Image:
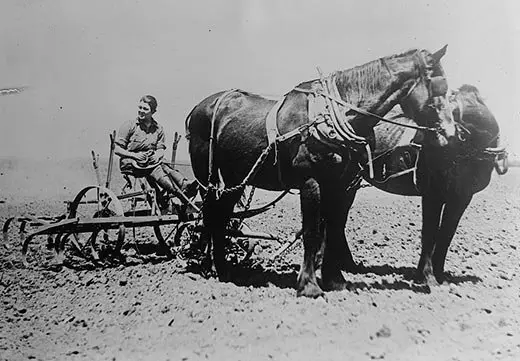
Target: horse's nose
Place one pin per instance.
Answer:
(447, 129)
(441, 140)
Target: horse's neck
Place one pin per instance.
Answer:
(379, 96)
(364, 86)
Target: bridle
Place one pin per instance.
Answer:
(344, 129)
(437, 87)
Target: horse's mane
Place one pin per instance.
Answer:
(363, 81)
(403, 54)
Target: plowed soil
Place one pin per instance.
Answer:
(157, 309)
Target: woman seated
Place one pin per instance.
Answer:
(140, 143)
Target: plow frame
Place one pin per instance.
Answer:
(110, 215)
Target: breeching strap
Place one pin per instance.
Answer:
(212, 133)
(263, 156)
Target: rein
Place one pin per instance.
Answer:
(362, 111)
(344, 129)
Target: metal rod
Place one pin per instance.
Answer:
(82, 225)
(96, 167)
(245, 234)
(111, 158)
(176, 139)
(287, 245)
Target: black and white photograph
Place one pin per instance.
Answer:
(260, 180)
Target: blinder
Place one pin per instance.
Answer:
(436, 84)
(439, 86)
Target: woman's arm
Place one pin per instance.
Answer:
(140, 157)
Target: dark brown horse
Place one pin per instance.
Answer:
(316, 153)
(446, 178)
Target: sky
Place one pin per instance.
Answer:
(86, 63)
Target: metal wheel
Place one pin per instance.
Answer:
(95, 202)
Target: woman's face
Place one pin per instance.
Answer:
(144, 112)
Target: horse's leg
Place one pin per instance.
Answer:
(349, 265)
(307, 284)
(216, 219)
(337, 255)
(431, 214)
(453, 211)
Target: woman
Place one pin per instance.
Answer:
(140, 144)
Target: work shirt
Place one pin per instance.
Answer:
(134, 137)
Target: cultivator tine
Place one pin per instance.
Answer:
(50, 241)
(59, 256)
(5, 230)
(23, 220)
(75, 243)
(25, 245)
(91, 240)
(22, 231)
(58, 243)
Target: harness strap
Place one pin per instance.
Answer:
(460, 105)
(405, 171)
(273, 134)
(346, 135)
(341, 113)
(272, 127)
(362, 111)
(333, 88)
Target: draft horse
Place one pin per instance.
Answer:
(312, 140)
(445, 177)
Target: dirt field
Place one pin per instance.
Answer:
(156, 310)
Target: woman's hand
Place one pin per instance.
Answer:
(156, 157)
(142, 157)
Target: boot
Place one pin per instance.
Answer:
(190, 189)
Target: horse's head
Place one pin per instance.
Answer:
(423, 92)
(478, 128)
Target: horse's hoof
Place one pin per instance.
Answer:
(335, 285)
(333, 281)
(441, 277)
(419, 278)
(432, 281)
(311, 290)
(426, 278)
(354, 268)
(224, 274)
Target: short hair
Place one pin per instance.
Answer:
(151, 101)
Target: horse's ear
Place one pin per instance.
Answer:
(439, 53)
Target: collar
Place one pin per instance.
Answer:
(152, 124)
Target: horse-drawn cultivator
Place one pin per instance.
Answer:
(98, 220)
(323, 138)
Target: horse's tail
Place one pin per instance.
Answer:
(187, 124)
